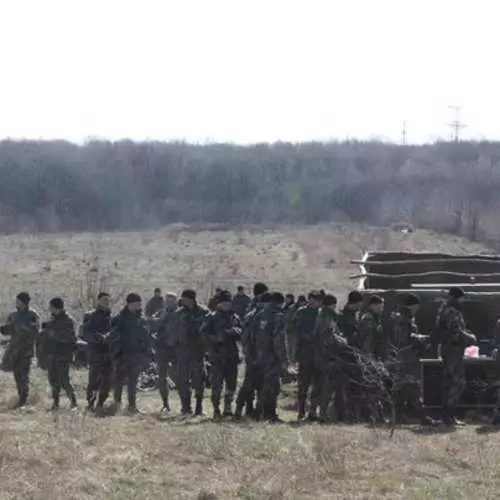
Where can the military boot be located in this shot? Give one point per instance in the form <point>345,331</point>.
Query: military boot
<point>198,412</point>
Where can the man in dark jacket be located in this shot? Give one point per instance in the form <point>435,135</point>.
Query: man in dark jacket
<point>348,320</point>
<point>222,331</point>
<point>59,339</point>
<point>305,334</point>
<point>95,328</point>
<point>241,301</point>
<point>155,304</point>
<point>130,345</point>
<point>165,348</point>
<point>23,326</point>
<point>190,350</point>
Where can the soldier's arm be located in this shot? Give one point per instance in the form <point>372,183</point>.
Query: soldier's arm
<point>66,334</point>
<point>366,329</point>
<point>457,328</point>
<point>280,342</point>
<point>88,332</point>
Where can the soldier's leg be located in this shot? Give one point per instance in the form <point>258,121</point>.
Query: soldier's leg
<point>54,381</point>
<point>133,372</point>
<point>162,381</point>
<point>66,384</point>
<point>274,391</point>
<point>457,386</point>
<point>183,383</point>
<point>303,382</point>
<point>118,379</point>
<point>231,377</point>
<point>22,368</point>
<point>327,391</point>
<point>105,382</point>
<point>93,383</point>
<point>217,379</point>
<point>317,382</point>
<point>340,395</point>
<point>245,389</point>
<point>198,383</point>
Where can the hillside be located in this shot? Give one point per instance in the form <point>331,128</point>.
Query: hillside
<point>292,259</point>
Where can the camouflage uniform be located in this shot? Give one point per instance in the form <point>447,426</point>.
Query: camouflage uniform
<point>59,340</point>
<point>309,373</point>
<point>130,345</point>
<point>165,354</point>
<point>247,390</point>
<point>222,330</point>
<point>190,351</point>
<point>453,338</point>
<point>289,314</point>
<point>240,304</point>
<point>270,350</point>
<point>408,344</point>
<point>23,326</point>
<point>348,321</point>
<point>330,346</point>
<point>371,336</point>
<point>96,325</point>
<point>155,305</point>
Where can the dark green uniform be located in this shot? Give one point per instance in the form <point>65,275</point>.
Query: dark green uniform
<point>222,331</point>
<point>96,325</point>
<point>270,358</point>
<point>130,346</point>
<point>59,340</point>
<point>23,326</point>
<point>241,301</point>
<point>309,373</point>
<point>453,338</point>
<point>190,351</point>
<point>348,321</point>
<point>371,337</point>
<point>155,305</point>
<point>330,346</point>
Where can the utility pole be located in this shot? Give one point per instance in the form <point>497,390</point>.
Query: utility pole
<point>403,134</point>
<point>456,124</point>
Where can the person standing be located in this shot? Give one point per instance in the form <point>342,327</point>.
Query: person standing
<point>453,338</point>
<point>95,329</point>
<point>241,301</point>
<point>23,326</point>
<point>165,348</point>
<point>129,344</point>
<point>155,304</point>
<point>190,349</point>
<point>305,334</point>
<point>222,331</point>
<point>59,338</point>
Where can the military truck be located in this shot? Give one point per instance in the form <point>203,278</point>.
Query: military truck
<point>430,276</point>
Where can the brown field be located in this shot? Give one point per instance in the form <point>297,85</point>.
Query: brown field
<point>77,456</point>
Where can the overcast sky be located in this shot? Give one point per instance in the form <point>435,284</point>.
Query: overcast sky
<point>248,70</point>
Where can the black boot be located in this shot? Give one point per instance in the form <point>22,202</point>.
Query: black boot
<point>198,412</point>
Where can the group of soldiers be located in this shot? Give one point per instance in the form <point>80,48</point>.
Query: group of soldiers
<point>346,361</point>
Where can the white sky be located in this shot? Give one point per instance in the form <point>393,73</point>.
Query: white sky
<point>248,70</point>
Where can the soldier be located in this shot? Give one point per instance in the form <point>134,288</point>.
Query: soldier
<point>95,328</point>
<point>212,303</point>
<point>241,301</point>
<point>129,343</point>
<point>289,315</point>
<point>409,344</point>
<point>258,290</point>
<point>304,331</point>
<point>190,350</point>
<point>59,340</point>
<point>270,360</point>
<point>348,320</point>
<point>23,326</point>
<point>222,331</point>
<point>329,356</point>
<point>247,390</point>
<point>453,338</point>
<point>301,302</point>
<point>370,338</point>
<point>165,348</point>
<point>155,304</point>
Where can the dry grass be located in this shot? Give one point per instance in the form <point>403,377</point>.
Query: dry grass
<point>75,456</point>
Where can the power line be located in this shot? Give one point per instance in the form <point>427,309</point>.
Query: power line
<point>456,124</point>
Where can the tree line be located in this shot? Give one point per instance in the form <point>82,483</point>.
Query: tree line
<point>104,186</point>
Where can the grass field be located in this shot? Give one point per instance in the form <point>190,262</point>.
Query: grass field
<point>77,456</point>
